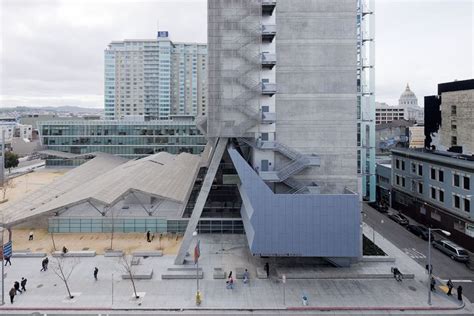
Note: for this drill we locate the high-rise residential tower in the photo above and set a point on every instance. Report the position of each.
(290, 95)
(156, 78)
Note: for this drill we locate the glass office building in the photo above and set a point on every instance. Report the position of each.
(128, 139)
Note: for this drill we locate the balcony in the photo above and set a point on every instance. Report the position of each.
(268, 88)
(268, 32)
(268, 117)
(268, 6)
(268, 60)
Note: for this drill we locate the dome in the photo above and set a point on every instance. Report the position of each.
(408, 97)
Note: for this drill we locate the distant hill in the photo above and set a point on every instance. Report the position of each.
(66, 108)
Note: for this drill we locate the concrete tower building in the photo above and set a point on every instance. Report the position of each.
(289, 100)
(156, 78)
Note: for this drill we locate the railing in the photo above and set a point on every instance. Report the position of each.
(268, 88)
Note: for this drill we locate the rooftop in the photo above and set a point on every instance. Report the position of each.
(443, 157)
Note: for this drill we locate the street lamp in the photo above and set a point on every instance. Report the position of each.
(197, 253)
(444, 232)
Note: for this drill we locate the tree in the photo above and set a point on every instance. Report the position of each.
(63, 269)
(127, 268)
(11, 160)
(8, 183)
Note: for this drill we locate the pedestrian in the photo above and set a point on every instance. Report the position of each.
(96, 271)
(23, 284)
(16, 285)
(148, 234)
(450, 287)
(305, 300)
(460, 293)
(267, 269)
(44, 264)
(230, 282)
(31, 236)
(7, 260)
(12, 294)
(246, 276)
(65, 250)
(433, 284)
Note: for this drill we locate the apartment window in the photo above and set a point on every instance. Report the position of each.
(440, 175)
(467, 205)
(403, 165)
(433, 173)
(453, 110)
(456, 180)
(420, 170)
(441, 196)
(420, 188)
(454, 141)
(397, 164)
(466, 184)
(433, 193)
(413, 167)
(453, 126)
(456, 201)
(397, 177)
(435, 215)
(403, 181)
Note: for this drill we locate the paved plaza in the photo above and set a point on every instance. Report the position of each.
(327, 288)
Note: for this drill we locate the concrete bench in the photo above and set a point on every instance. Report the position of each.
(143, 274)
(184, 269)
(29, 254)
(157, 253)
(80, 253)
(174, 275)
(261, 273)
(113, 253)
(219, 273)
(135, 261)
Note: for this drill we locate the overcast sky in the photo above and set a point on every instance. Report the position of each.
(51, 51)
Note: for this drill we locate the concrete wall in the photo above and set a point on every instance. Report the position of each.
(316, 87)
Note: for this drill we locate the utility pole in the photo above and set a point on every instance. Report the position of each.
(3, 270)
(2, 162)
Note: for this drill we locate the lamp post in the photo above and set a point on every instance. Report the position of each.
(3, 272)
(196, 259)
(445, 232)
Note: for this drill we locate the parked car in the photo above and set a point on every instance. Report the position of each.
(454, 251)
(379, 207)
(399, 218)
(420, 231)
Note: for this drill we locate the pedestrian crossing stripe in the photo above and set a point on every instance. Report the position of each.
(413, 253)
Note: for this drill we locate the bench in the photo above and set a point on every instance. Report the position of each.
(80, 253)
(184, 269)
(173, 275)
(261, 273)
(113, 253)
(143, 274)
(29, 254)
(219, 273)
(157, 253)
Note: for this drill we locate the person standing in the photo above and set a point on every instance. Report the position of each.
(450, 287)
(267, 269)
(44, 264)
(148, 234)
(96, 271)
(246, 276)
(460, 293)
(31, 236)
(23, 284)
(16, 285)
(7, 261)
(12, 294)
(433, 284)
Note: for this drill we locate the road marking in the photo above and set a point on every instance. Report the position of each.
(413, 253)
(459, 281)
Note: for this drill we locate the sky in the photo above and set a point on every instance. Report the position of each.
(51, 51)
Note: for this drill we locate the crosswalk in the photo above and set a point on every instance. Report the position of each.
(413, 253)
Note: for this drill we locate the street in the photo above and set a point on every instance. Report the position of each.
(417, 248)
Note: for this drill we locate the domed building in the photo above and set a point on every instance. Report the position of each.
(409, 102)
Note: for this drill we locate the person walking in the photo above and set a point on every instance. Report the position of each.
(16, 285)
(96, 271)
(460, 293)
(44, 264)
(267, 269)
(31, 236)
(12, 294)
(23, 284)
(450, 287)
(7, 261)
(246, 276)
(433, 284)
(148, 235)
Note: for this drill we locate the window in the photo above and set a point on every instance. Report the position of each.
(440, 175)
(456, 201)
(441, 196)
(456, 180)
(397, 164)
(466, 184)
(433, 174)
(420, 170)
(433, 193)
(435, 215)
(454, 141)
(467, 205)
(403, 181)
(453, 110)
(403, 165)
(397, 179)
(420, 188)
(413, 167)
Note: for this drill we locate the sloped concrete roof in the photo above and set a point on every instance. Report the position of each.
(107, 179)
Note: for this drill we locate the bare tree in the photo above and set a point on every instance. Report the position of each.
(7, 184)
(63, 269)
(127, 268)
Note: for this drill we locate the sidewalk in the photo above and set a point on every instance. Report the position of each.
(46, 291)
